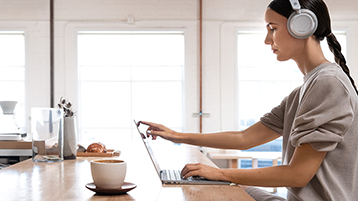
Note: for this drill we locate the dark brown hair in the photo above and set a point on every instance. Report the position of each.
(319, 8)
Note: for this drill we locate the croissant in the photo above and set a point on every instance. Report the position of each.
(96, 148)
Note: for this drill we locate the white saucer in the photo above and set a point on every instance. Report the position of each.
(127, 186)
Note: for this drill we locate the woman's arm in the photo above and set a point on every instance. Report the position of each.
(255, 135)
(303, 166)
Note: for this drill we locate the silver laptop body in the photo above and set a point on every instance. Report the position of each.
(173, 176)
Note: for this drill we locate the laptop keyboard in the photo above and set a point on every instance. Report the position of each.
(174, 175)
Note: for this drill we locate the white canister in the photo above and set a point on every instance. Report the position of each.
(70, 138)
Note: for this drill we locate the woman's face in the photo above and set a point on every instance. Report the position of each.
(282, 43)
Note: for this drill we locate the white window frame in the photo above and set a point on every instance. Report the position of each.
(21, 103)
(131, 82)
(190, 88)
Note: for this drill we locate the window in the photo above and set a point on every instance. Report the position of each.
(126, 76)
(12, 73)
(263, 81)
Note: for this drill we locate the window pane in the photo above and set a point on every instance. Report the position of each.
(12, 73)
(12, 49)
(12, 90)
(158, 73)
(105, 73)
(12, 76)
(106, 104)
(125, 76)
(131, 49)
(158, 101)
(118, 137)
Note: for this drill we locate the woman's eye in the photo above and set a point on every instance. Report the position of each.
(271, 29)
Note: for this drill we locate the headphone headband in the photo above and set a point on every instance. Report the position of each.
(295, 4)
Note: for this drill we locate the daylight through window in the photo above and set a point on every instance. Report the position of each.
(126, 76)
(12, 77)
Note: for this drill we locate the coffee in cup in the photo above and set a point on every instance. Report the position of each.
(108, 173)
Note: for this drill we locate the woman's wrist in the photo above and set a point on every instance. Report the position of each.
(177, 137)
(224, 175)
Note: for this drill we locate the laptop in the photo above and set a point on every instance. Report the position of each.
(169, 176)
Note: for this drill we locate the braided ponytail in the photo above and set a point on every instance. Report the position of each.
(335, 48)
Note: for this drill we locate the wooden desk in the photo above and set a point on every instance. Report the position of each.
(66, 180)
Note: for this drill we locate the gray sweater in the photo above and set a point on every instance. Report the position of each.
(322, 112)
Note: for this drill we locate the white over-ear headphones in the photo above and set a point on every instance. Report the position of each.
(302, 23)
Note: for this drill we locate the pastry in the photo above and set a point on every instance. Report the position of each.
(96, 148)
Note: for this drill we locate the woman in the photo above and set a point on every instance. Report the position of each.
(317, 121)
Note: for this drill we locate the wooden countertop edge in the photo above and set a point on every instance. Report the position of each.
(13, 144)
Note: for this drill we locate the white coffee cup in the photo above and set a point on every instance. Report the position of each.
(108, 173)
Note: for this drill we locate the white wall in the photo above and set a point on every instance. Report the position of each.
(221, 20)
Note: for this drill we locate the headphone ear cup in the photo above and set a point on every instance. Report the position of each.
(302, 24)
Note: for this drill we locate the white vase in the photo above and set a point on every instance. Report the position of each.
(70, 138)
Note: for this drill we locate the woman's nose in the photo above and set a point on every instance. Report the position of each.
(268, 40)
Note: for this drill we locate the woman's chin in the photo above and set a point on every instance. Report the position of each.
(280, 58)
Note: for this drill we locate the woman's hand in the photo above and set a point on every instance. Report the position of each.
(156, 130)
(202, 170)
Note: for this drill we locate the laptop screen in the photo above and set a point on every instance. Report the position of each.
(142, 134)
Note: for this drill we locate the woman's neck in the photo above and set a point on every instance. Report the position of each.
(311, 56)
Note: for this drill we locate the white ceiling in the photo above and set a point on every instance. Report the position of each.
(234, 10)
